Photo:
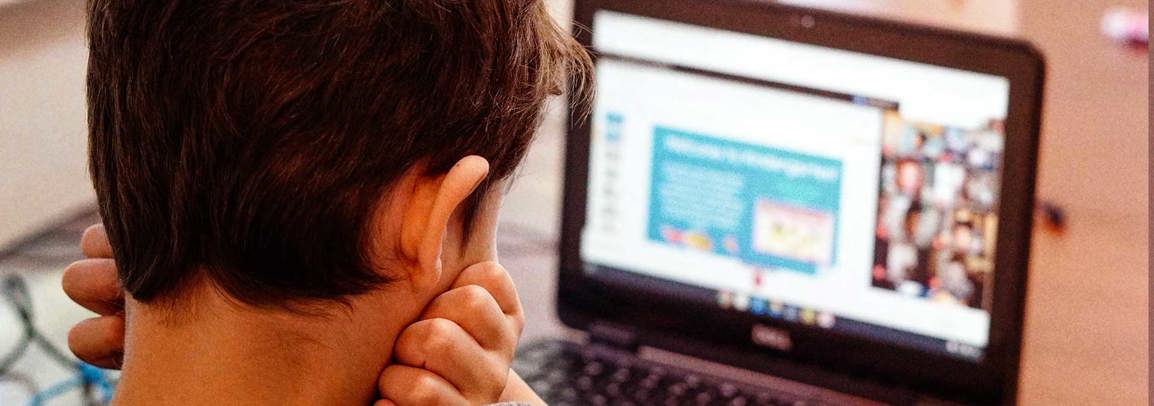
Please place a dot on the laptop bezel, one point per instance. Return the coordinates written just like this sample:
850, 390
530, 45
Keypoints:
664, 322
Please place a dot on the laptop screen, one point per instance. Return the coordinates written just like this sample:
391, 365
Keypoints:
798, 183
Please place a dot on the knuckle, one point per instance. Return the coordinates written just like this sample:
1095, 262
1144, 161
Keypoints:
438, 337
492, 272
439, 327
475, 297
424, 390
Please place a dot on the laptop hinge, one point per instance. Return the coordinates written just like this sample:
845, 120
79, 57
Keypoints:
613, 335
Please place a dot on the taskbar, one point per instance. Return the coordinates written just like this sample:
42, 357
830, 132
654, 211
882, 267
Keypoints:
785, 312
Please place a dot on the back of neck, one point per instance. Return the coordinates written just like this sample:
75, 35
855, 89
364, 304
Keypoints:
216, 351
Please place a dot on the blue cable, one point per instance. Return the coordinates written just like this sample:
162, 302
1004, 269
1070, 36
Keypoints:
96, 376
54, 391
89, 375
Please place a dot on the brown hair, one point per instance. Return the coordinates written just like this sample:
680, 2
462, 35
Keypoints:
253, 139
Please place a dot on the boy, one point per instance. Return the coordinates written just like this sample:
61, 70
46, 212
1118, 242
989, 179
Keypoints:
299, 193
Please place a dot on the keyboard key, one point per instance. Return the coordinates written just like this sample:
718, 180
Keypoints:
770, 399
555, 377
584, 383
729, 391
641, 395
594, 368
568, 376
651, 382
693, 381
613, 389
621, 375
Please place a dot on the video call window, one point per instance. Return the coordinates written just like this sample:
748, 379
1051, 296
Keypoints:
937, 210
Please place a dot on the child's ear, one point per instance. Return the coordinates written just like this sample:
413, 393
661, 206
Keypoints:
428, 212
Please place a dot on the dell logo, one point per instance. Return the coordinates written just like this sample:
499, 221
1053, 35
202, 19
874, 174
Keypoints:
771, 337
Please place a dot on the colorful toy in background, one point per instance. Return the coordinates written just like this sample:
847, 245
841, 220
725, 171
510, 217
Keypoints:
1127, 26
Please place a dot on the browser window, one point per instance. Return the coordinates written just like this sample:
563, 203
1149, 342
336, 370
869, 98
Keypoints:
812, 185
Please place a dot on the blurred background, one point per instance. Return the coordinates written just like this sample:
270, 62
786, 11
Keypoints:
1086, 339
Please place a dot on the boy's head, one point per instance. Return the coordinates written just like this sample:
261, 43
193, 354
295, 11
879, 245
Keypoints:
269, 145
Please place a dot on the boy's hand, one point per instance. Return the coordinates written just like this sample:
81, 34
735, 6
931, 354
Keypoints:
93, 284
460, 351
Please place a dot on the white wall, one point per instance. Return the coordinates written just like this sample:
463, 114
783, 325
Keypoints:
999, 17
43, 142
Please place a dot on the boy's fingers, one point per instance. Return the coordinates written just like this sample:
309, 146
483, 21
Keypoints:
98, 341
408, 386
474, 309
384, 402
444, 348
94, 242
93, 283
494, 278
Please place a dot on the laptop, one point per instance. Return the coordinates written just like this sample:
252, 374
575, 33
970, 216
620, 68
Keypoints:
771, 205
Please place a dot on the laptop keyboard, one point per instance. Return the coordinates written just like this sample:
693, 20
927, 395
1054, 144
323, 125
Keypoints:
567, 374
